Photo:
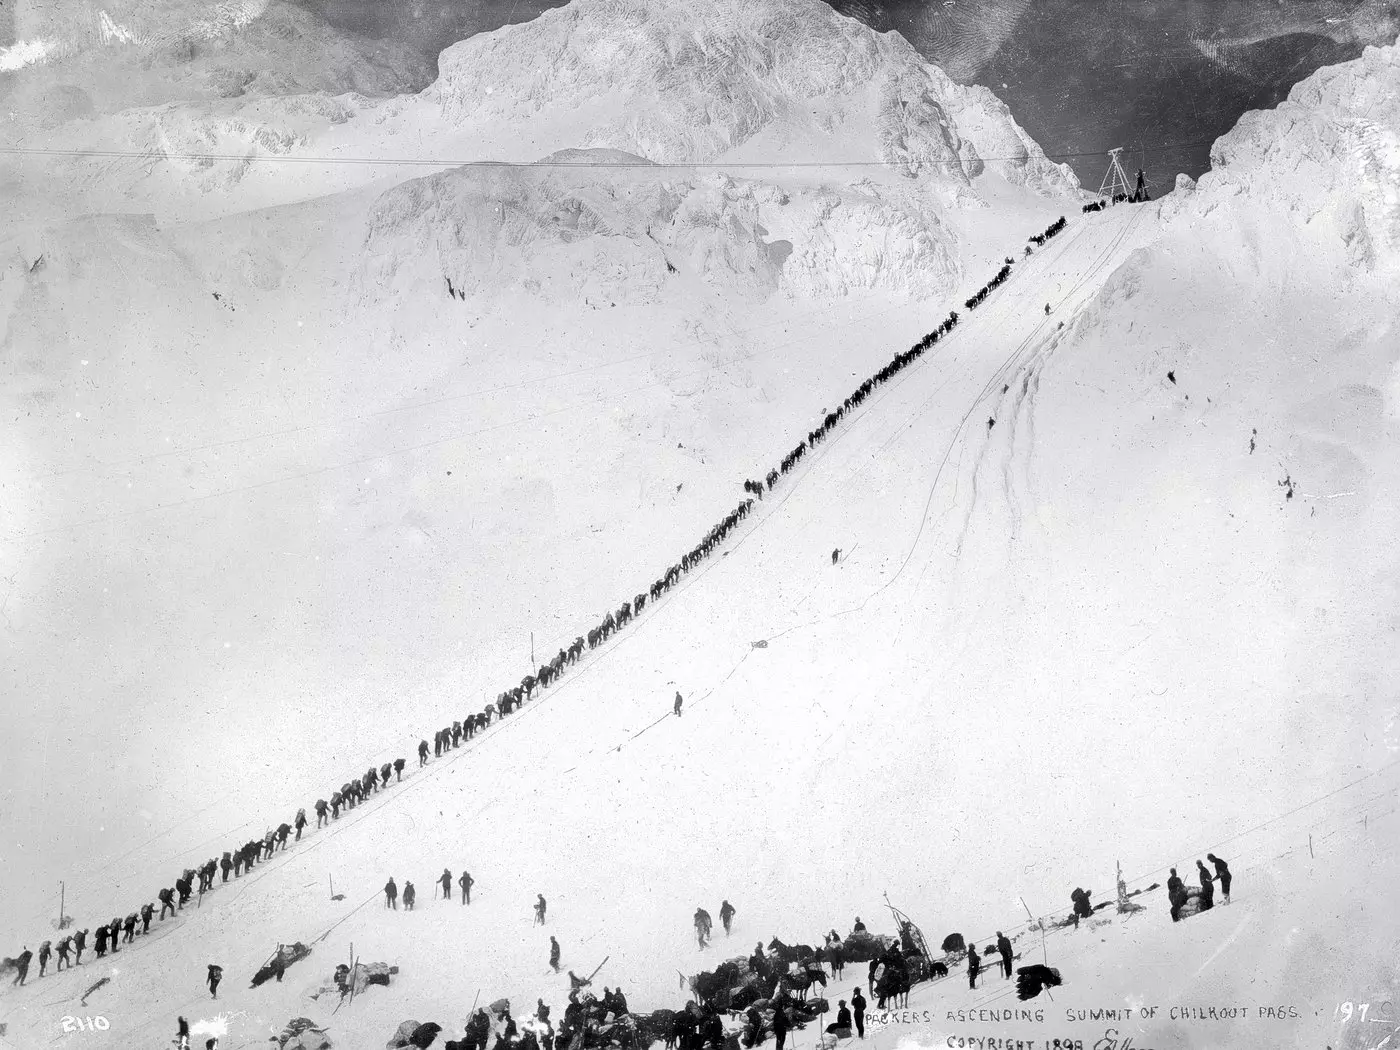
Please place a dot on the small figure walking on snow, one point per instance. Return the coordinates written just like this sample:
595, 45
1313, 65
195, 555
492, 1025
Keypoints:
677, 707
539, 910
835, 555
702, 926
1047, 309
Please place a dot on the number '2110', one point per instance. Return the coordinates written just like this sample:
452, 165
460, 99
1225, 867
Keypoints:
86, 1024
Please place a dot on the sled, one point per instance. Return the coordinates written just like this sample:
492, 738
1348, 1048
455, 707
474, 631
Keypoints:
285, 955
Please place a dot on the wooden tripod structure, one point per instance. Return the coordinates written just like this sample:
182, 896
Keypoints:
1115, 180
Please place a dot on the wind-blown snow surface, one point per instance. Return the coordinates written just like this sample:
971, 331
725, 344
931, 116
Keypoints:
1095, 630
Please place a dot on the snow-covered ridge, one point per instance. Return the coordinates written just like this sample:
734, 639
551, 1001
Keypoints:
572, 234
1326, 162
786, 86
675, 82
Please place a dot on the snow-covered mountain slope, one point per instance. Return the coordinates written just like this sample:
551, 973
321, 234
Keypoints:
1110, 591
782, 85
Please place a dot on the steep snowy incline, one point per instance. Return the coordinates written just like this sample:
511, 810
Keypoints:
561, 798
782, 83
274, 474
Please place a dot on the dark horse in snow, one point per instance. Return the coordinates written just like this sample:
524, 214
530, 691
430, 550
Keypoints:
801, 981
790, 953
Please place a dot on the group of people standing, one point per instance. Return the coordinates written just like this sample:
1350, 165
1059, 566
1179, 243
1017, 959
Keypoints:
1177, 894
974, 961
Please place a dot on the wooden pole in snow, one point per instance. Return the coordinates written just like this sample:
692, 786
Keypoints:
1044, 957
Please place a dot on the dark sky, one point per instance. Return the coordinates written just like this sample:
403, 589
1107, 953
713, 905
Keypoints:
1080, 75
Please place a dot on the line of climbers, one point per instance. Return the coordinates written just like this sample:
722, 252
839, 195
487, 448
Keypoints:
897, 364
357, 789
1055, 227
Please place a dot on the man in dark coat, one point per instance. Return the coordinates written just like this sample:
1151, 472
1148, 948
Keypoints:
726, 915
1082, 908
1207, 887
446, 879
226, 863
780, 1026
702, 926
391, 895
166, 898
398, 769
422, 753
79, 943
129, 928
22, 966
539, 910
1176, 894
858, 1006
216, 974
974, 965
44, 953
148, 911
465, 881
114, 932
1222, 875
554, 954
1004, 947
101, 946
409, 896
300, 822
63, 948
677, 709
842, 1025
321, 806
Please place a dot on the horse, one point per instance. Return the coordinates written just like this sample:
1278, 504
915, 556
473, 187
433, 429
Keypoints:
803, 980
892, 983
790, 953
